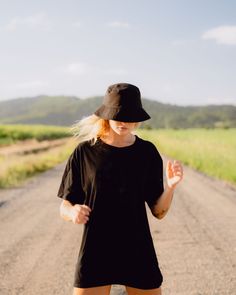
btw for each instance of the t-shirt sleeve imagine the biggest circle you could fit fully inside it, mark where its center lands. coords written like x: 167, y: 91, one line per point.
x: 71, y: 188
x: 154, y: 184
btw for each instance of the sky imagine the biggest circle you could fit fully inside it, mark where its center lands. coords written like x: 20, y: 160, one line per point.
x: 176, y: 51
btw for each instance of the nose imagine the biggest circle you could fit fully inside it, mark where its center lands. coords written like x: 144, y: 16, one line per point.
x: 123, y: 123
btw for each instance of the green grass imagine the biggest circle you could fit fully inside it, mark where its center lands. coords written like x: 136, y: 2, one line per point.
x: 18, y: 168
x: 21, y: 168
x: 12, y: 133
x: 211, y: 151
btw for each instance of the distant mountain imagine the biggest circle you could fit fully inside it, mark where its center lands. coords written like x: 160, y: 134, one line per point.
x: 65, y: 110
x: 48, y: 110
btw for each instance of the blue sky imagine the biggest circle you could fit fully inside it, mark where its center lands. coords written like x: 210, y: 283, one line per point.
x: 176, y: 51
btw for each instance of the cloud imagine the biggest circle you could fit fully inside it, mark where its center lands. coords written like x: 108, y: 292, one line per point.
x: 118, y: 24
x: 31, y: 84
x: 35, y: 21
x: 222, y: 35
x: 76, y: 68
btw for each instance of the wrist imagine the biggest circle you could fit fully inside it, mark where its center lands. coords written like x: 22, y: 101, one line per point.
x: 170, y: 188
x: 69, y: 212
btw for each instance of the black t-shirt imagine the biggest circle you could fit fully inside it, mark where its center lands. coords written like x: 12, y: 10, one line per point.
x: 115, y: 182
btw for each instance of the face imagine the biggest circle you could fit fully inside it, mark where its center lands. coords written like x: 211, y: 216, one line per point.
x: 122, y: 128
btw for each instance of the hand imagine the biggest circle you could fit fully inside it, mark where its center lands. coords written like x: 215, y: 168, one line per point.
x: 80, y: 214
x: 174, y: 173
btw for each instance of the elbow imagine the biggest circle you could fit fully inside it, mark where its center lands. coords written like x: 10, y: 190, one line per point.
x: 159, y: 215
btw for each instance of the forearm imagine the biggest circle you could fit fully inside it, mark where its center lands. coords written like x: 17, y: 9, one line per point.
x: 65, y: 210
x: 163, y: 204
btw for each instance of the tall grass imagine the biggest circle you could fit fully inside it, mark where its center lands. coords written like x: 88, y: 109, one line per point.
x: 211, y: 151
x: 12, y: 133
x: 18, y: 168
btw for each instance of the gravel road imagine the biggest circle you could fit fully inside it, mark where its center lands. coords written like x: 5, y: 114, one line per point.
x: 195, y: 242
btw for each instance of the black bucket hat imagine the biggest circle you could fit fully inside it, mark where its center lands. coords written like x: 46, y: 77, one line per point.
x: 122, y: 102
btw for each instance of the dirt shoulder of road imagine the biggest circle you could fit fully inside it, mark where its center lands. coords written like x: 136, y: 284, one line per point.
x: 30, y: 146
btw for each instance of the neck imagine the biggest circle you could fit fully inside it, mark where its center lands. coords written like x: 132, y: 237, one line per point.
x: 119, y: 140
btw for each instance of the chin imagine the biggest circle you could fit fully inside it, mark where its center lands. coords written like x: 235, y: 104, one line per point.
x: 122, y: 132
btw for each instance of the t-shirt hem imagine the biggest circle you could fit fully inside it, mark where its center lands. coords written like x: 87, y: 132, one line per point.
x: 122, y: 283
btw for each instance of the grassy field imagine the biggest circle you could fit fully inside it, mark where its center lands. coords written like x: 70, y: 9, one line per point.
x: 12, y: 133
x: 211, y: 151
x: 18, y: 168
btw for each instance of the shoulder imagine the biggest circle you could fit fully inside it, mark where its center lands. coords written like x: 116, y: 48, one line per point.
x: 148, y: 145
x: 150, y: 149
x: 80, y: 146
x: 83, y: 146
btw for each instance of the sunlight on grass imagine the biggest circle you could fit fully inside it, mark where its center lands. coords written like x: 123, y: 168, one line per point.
x: 17, y: 168
x: 211, y: 151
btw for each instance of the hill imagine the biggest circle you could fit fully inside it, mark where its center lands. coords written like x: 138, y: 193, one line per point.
x: 65, y: 110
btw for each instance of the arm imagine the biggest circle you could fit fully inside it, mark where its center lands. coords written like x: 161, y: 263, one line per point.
x: 174, y: 174
x: 78, y: 214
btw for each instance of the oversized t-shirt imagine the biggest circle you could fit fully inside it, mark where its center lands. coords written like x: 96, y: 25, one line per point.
x: 115, y: 182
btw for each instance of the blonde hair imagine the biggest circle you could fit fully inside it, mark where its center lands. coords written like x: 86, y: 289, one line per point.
x: 91, y: 128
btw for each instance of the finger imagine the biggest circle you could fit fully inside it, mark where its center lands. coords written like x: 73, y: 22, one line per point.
x: 87, y: 208
x: 81, y: 209
x: 176, y: 169
x: 86, y: 219
x: 82, y: 219
x: 84, y: 212
x: 169, y: 169
x: 179, y: 174
x: 168, y: 164
x: 177, y: 166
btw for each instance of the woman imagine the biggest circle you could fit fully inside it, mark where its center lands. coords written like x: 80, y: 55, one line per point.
x: 107, y: 180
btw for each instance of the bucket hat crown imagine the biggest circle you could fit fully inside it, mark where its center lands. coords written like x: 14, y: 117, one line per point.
x: 122, y: 102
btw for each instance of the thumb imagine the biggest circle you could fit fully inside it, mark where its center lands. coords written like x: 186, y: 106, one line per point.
x: 169, y: 171
x: 169, y: 166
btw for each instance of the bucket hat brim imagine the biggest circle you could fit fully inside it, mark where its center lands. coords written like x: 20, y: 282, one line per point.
x: 122, y: 115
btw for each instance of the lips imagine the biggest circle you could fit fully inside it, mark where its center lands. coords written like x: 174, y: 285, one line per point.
x: 123, y: 128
